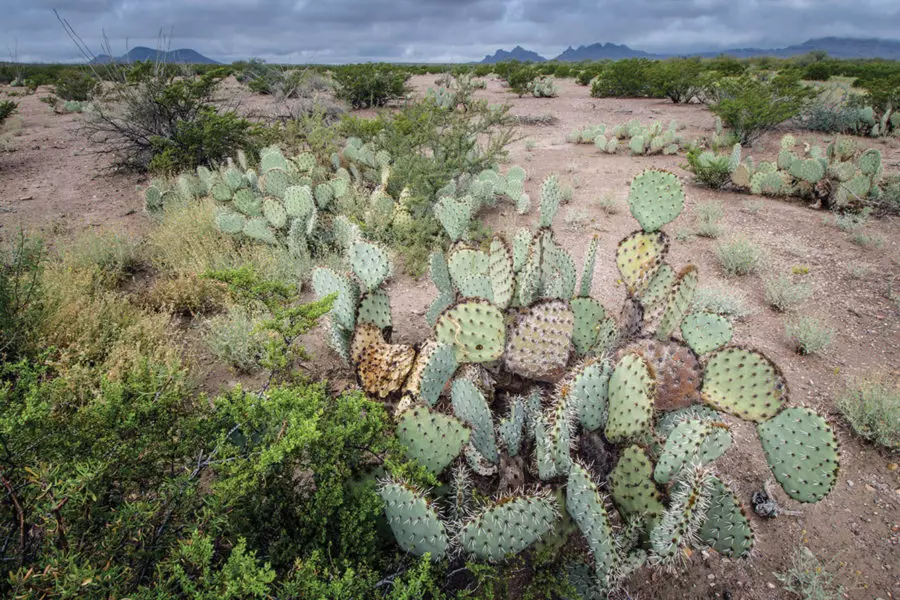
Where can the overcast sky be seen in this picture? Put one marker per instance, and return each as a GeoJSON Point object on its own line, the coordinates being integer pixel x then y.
{"type": "Point", "coordinates": [336, 31]}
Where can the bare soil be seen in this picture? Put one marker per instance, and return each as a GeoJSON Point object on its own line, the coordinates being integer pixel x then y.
{"type": "Point", "coordinates": [50, 181]}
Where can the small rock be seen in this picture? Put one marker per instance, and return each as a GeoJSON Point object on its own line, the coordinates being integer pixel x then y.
{"type": "Point", "coordinates": [770, 585]}
{"type": "Point", "coordinates": [849, 483]}
{"type": "Point", "coordinates": [869, 488]}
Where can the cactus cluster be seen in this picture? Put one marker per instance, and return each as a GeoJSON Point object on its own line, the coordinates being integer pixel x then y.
{"type": "Point", "coordinates": [542, 87]}
{"type": "Point", "coordinates": [638, 138]}
{"type": "Point", "coordinates": [841, 175]}
{"type": "Point", "coordinates": [868, 122]}
{"type": "Point", "coordinates": [570, 420]}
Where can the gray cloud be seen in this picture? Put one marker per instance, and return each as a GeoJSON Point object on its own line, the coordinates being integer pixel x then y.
{"type": "Point", "coordinates": [336, 31]}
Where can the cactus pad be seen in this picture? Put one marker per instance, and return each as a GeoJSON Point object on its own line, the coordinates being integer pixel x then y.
{"type": "Point", "coordinates": [551, 197]}
{"type": "Point", "coordinates": [475, 330]}
{"type": "Point", "coordinates": [655, 294]}
{"type": "Point", "coordinates": [454, 214]}
{"type": "Point", "coordinates": [258, 229]}
{"type": "Point", "coordinates": [802, 452]}
{"type": "Point", "coordinates": [275, 182]}
{"type": "Point", "coordinates": [471, 408]}
{"type": "Point", "coordinates": [743, 383]}
{"type": "Point", "coordinates": [681, 522]}
{"type": "Point", "coordinates": [705, 331]}
{"type": "Point", "coordinates": [434, 367]}
{"type": "Point", "coordinates": [416, 526]}
{"type": "Point", "coordinates": [585, 505]}
{"type": "Point", "coordinates": [500, 271]}
{"type": "Point", "coordinates": [375, 308]}
{"type": "Point", "coordinates": [229, 221]}
{"type": "Point", "coordinates": [363, 335]}
{"type": "Point", "coordinates": [325, 282]}
{"type": "Point", "coordinates": [298, 202]}
{"type": "Point", "coordinates": [655, 198]}
{"type": "Point", "coordinates": [274, 212]}
{"type": "Point", "coordinates": [247, 202]}
{"type": "Point", "coordinates": [632, 487]}
{"type": "Point", "coordinates": [382, 368]}
{"type": "Point", "coordinates": [676, 368]}
{"type": "Point", "coordinates": [370, 263]}
{"type": "Point", "coordinates": [512, 427]}
{"type": "Point", "coordinates": [539, 342]}
{"type": "Point", "coordinates": [589, 389]}
{"type": "Point", "coordinates": [691, 442]}
{"type": "Point", "coordinates": [587, 275]}
{"type": "Point", "coordinates": [726, 529]}
{"type": "Point", "coordinates": [508, 526]}
{"type": "Point", "coordinates": [631, 394]}
{"type": "Point", "coordinates": [639, 257]}
{"type": "Point", "coordinates": [431, 438]}
{"type": "Point", "coordinates": [589, 314]}
{"type": "Point", "coordinates": [678, 303]}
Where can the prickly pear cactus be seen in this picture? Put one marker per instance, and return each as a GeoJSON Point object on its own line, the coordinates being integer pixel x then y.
{"type": "Point", "coordinates": [416, 526]}
{"type": "Point", "coordinates": [508, 526]}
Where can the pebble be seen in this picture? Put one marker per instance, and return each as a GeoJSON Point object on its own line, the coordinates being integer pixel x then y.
{"type": "Point", "coordinates": [849, 483]}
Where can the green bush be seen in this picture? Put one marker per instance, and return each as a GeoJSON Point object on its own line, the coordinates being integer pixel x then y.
{"type": "Point", "coordinates": [750, 106]}
{"type": "Point", "coordinates": [520, 79]}
{"type": "Point", "coordinates": [629, 78]}
{"type": "Point", "coordinates": [7, 108]}
{"type": "Point", "coordinates": [75, 84]}
{"type": "Point", "coordinates": [207, 138]}
{"type": "Point", "coordinates": [872, 407]}
{"type": "Point", "coordinates": [368, 85]}
{"type": "Point", "coordinates": [712, 172]}
{"type": "Point", "coordinates": [676, 79]}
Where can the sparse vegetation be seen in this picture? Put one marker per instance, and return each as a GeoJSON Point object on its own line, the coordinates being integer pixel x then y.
{"type": "Point", "coordinates": [809, 335]}
{"type": "Point", "coordinates": [872, 408]}
{"type": "Point", "coordinates": [706, 218]}
{"type": "Point", "coordinates": [739, 256]}
{"type": "Point", "coordinates": [808, 578]}
{"type": "Point", "coordinates": [783, 294]}
{"type": "Point", "coordinates": [7, 108]}
{"type": "Point", "coordinates": [721, 301]}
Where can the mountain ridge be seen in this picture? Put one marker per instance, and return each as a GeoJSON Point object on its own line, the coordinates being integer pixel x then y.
{"type": "Point", "coordinates": [181, 56]}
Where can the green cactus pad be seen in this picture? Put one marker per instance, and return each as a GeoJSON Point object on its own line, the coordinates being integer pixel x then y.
{"type": "Point", "coordinates": [416, 525]}
{"type": "Point", "coordinates": [435, 365]}
{"type": "Point", "coordinates": [271, 158]}
{"type": "Point", "coordinates": [691, 442]}
{"type": "Point", "coordinates": [742, 175]}
{"type": "Point", "coordinates": [229, 221]}
{"type": "Point", "coordinates": [275, 182]}
{"type": "Point", "coordinates": [681, 522]}
{"type": "Point", "coordinates": [726, 529]}
{"type": "Point", "coordinates": [325, 282]}
{"type": "Point", "coordinates": [472, 409]}
{"type": "Point", "coordinates": [585, 505]}
{"type": "Point", "coordinates": [438, 306]}
{"type": "Point", "coordinates": [639, 257]}
{"type": "Point", "coordinates": [370, 263]}
{"type": "Point", "coordinates": [233, 179]}
{"type": "Point", "coordinates": [324, 195]}
{"type": "Point", "coordinates": [631, 394]}
{"type": "Point", "coordinates": [870, 162]}
{"type": "Point", "coordinates": [345, 230]}
{"type": "Point", "coordinates": [298, 202]}
{"type": "Point", "coordinates": [508, 526]}
{"type": "Point", "coordinates": [247, 202]}
{"type": "Point", "coordinates": [589, 314]}
{"type": "Point", "coordinates": [802, 452]}
{"type": "Point", "coordinates": [500, 271]}
{"type": "Point", "coordinates": [440, 272]}
{"type": "Point", "coordinates": [809, 170]}
{"type": "Point", "coordinates": [258, 229]}
{"type": "Point", "coordinates": [274, 212]}
{"type": "Point", "coordinates": [786, 160]}
{"type": "Point", "coordinates": [475, 330]}
{"type": "Point", "coordinates": [305, 162]}
{"type": "Point", "coordinates": [743, 383]}
{"type": "Point", "coordinates": [589, 388]}
{"type": "Point", "coordinates": [454, 214]}
{"type": "Point", "coordinates": [469, 271]}
{"type": "Point", "coordinates": [656, 293]}
{"type": "Point", "coordinates": [678, 303]}
{"type": "Point", "coordinates": [431, 438]}
{"type": "Point", "coordinates": [587, 274]}
{"type": "Point", "coordinates": [551, 197]}
{"type": "Point", "coordinates": [375, 308]}
{"type": "Point", "coordinates": [655, 198]}
{"type": "Point", "coordinates": [559, 428]}
{"type": "Point", "coordinates": [632, 488]}
{"type": "Point", "coordinates": [221, 191]}
{"type": "Point", "coordinates": [539, 341]}
{"type": "Point", "coordinates": [706, 331]}
{"type": "Point", "coordinates": [512, 427]}
{"type": "Point", "coordinates": [521, 249]}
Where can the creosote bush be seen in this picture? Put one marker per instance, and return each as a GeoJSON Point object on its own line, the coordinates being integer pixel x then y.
{"type": "Point", "coordinates": [371, 85]}
{"type": "Point", "coordinates": [750, 106]}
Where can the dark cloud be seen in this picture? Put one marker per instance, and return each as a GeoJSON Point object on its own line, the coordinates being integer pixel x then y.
{"type": "Point", "coordinates": [431, 30]}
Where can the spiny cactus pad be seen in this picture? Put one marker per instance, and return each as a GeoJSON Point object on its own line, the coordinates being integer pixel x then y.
{"type": "Point", "coordinates": [325, 282]}
{"type": "Point", "coordinates": [370, 263]}
{"type": "Point", "coordinates": [435, 365]}
{"type": "Point", "coordinates": [639, 256]}
{"type": "Point", "coordinates": [631, 394]}
{"type": "Point", "coordinates": [743, 383]}
{"type": "Point", "coordinates": [375, 308]}
{"type": "Point", "coordinates": [589, 388]}
{"type": "Point", "coordinates": [676, 368]}
{"type": "Point", "coordinates": [382, 368]}
{"type": "Point", "coordinates": [431, 438]}
{"type": "Point", "coordinates": [539, 341]}
{"type": "Point", "coordinates": [416, 526]}
{"type": "Point", "coordinates": [726, 529]}
{"type": "Point", "coordinates": [508, 526]}
{"type": "Point", "coordinates": [475, 330]}
{"type": "Point", "coordinates": [589, 314]}
{"type": "Point", "coordinates": [471, 407]}
{"type": "Point", "coordinates": [655, 294]}
{"type": "Point", "coordinates": [692, 442]}
{"type": "Point", "coordinates": [454, 214]}
{"type": "Point", "coordinates": [678, 303]}
{"type": "Point", "coordinates": [585, 505]}
{"type": "Point", "coordinates": [512, 427]}
{"type": "Point", "coordinates": [655, 198]}
{"type": "Point", "coordinates": [500, 271]}
{"type": "Point", "coordinates": [706, 331]}
{"type": "Point", "coordinates": [632, 487]}
{"type": "Point", "coordinates": [802, 451]}
{"type": "Point", "coordinates": [680, 524]}
{"type": "Point", "coordinates": [587, 274]}
{"type": "Point", "coordinates": [258, 229]}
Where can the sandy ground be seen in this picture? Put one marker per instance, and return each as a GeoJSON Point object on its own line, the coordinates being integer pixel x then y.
{"type": "Point", "coordinates": [51, 182]}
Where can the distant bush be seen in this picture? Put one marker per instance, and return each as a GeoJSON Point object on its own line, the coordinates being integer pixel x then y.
{"type": "Point", "coordinates": [629, 78]}
{"type": "Point", "coordinates": [75, 84]}
{"type": "Point", "coordinates": [750, 106]}
{"type": "Point", "coordinates": [363, 86]}
{"type": "Point", "coordinates": [676, 79]}
{"type": "Point", "coordinates": [520, 78]}
{"type": "Point", "coordinates": [7, 108]}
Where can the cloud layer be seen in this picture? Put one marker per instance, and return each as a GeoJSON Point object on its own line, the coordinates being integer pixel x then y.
{"type": "Point", "coordinates": [337, 31]}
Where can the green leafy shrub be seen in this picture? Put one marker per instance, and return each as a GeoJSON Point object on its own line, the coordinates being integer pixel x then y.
{"type": "Point", "coordinates": [710, 169]}
{"type": "Point", "coordinates": [676, 79]}
{"type": "Point", "coordinates": [7, 108]}
{"type": "Point", "coordinates": [750, 106]}
{"type": "Point", "coordinates": [75, 84]}
{"type": "Point", "coordinates": [628, 78]}
{"type": "Point", "coordinates": [872, 407]}
{"type": "Point", "coordinates": [207, 138]}
{"type": "Point", "coordinates": [520, 78]}
{"type": "Point", "coordinates": [739, 256]}
{"type": "Point", "coordinates": [21, 297]}
{"type": "Point", "coordinates": [368, 85]}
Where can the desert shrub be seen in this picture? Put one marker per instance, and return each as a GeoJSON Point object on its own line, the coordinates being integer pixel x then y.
{"type": "Point", "coordinates": [111, 256]}
{"type": "Point", "coordinates": [809, 335]}
{"type": "Point", "coordinates": [809, 579]}
{"type": "Point", "coordinates": [706, 219]}
{"type": "Point", "coordinates": [739, 256]}
{"type": "Point", "coordinates": [368, 85]}
{"type": "Point", "coordinates": [783, 294]}
{"type": "Point", "coordinates": [872, 407]}
{"type": "Point", "coordinates": [750, 106]}
{"type": "Point", "coordinates": [711, 170]}
{"type": "Point", "coordinates": [21, 298]}
{"type": "Point", "coordinates": [676, 79]}
{"type": "Point", "coordinates": [236, 338]}
{"type": "Point", "coordinates": [867, 240]}
{"type": "Point", "coordinates": [888, 200]}
{"type": "Point", "coordinates": [7, 108]}
{"type": "Point", "coordinates": [155, 120]}
{"type": "Point", "coordinates": [721, 301]}
{"type": "Point", "coordinates": [520, 77]}
{"type": "Point", "coordinates": [628, 78]}
{"type": "Point", "coordinates": [75, 84]}
{"type": "Point", "coordinates": [186, 295]}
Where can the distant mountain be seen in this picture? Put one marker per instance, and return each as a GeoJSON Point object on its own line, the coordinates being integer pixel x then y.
{"type": "Point", "coordinates": [184, 56]}
{"type": "Point", "coordinates": [518, 53]}
{"type": "Point", "coordinates": [601, 52]}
